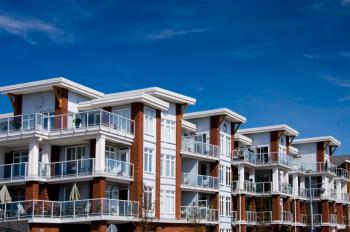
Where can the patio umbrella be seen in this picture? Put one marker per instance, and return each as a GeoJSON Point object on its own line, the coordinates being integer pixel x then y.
{"type": "Point", "coordinates": [5, 195]}
{"type": "Point", "coordinates": [74, 194]}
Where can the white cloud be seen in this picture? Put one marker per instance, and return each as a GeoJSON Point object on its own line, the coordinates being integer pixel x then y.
{"type": "Point", "coordinates": [345, 2]}
{"type": "Point", "coordinates": [337, 82]}
{"type": "Point", "coordinates": [25, 27]}
{"type": "Point", "coordinates": [169, 33]}
{"type": "Point", "coordinates": [345, 54]}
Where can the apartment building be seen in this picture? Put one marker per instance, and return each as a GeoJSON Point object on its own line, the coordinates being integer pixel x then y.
{"type": "Point", "coordinates": [73, 158]}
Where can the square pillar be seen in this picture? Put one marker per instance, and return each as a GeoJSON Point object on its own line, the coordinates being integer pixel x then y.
{"type": "Point", "coordinates": [276, 208]}
{"type": "Point", "coordinates": [241, 177]}
{"type": "Point", "coordinates": [33, 158]}
{"type": "Point", "coordinates": [275, 180]}
{"type": "Point", "coordinates": [100, 159]}
{"type": "Point", "coordinates": [295, 185]}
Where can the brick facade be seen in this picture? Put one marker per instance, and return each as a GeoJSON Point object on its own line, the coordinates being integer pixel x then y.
{"type": "Point", "coordinates": [179, 116]}
{"type": "Point", "coordinates": [158, 154]}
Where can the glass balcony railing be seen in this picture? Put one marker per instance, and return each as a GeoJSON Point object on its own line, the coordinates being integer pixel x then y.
{"type": "Point", "coordinates": [119, 168]}
{"type": "Point", "coordinates": [345, 197]}
{"type": "Point", "coordinates": [333, 219]}
{"type": "Point", "coordinates": [263, 187]}
{"type": "Point", "coordinates": [13, 172]}
{"type": "Point", "coordinates": [195, 214]}
{"type": "Point", "coordinates": [261, 159]}
{"type": "Point", "coordinates": [342, 173]}
{"type": "Point", "coordinates": [285, 188]}
{"type": "Point", "coordinates": [244, 155]}
{"type": "Point", "coordinates": [190, 180]}
{"type": "Point", "coordinates": [260, 188]}
{"type": "Point", "coordinates": [71, 121]}
{"type": "Point", "coordinates": [199, 148]}
{"type": "Point", "coordinates": [71, 168]}
{"type": "Point", "coordinates": [316, 168]}
{"type": "Point", "coordinates": [287, 217]}
{"type": "Point", "coordinates": [37, 209]}
{"type": "Point", "coordinates": [264, 217]}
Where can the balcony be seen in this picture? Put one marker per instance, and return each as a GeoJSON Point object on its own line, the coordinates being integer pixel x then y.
{"type": "Point", "coordinates": [302, 193]}
{"type": "Point", "coordinates": [199, 214]}
{"type": "Point", "coordinates": [258, 218]}
{"type": "Point", "coordinates": [203, 151]}
{"type": "Point", "coordinates": [70, 169]}
{"type": "Point", "coordinates": [316, 168]}
{"type": "Point", "coordinates": [196, 182]}
{"type": "Point", "coordinates": [342, 173]}
{"type": "Point", "coordinates": [250, 217]}
{"type": "Point", "coordinates": [254, 188]}
{"type": "Point", "coordinates": [285, 188]}
{"type": "Point", "coordinates": [287, 217]}
{"type": "Point", "coordinates": [344, 197]}
{"type": "Point", "coordinates": [261, 159]}
{"type": "Point", "coordinates": [333, 219]}
{"type": "Point", "coordinates": [18, 172]}
{"type": "Point", "coordinates": [25, 126]}
{"type": "Point", "coordinates": [119, 169]}
{"type": "Point", "coordinates": [69, 211]}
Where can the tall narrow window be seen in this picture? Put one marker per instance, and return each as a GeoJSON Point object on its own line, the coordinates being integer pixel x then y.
{"type": "Point", "coordinates": [167, 201]}
{"type": "Point", "coordinates": [228, 206]}
{"type": "Point", "coordinates": [222, 206]}
{"type": "Point", "coordinates": [168, 131]}
{"type": "Point", "coordinates": [167, 165]}
{"type": "Point", "coordinates": [222, 174]}
{"type": "Point", "coordinates": [147, 198]}
{"type": "Point", "coordinates": [148, 123]}
{"type": "Point", "coordinates": [148, 160]}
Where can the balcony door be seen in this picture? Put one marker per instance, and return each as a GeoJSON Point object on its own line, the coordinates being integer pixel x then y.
{"type": "Point", "coordinates": [262, 154]}
{"type": "Point", "coordinates": [75, 160]}
{"type": "Point", "coordinates": [116, 159]}
{"type": "Point", "coordinates": [19, 161]}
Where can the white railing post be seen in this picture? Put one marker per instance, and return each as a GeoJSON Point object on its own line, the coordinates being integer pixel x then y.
{"type": "Point", "coordinates": [73, 209]}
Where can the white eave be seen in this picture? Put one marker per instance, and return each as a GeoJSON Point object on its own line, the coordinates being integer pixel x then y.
{"type": "Point", "coordinates": [293, 150]}
{"type": "Point", "coordinates": [229, 115]}
{"type": "Point", "coordinates": [188, 126]}
{"type": "Point", "coordinates": [287, 130]}
{"type": "Point", "coordinates": [124, 98]}
{"type": "Point", "coordinates": [243, 139]}
{"type": "Point", "coordinates": [162, 94]}
{"type": "Point", "coordinates": [6, 115]}
{"type": "Point", "coordinates": [330, 139]}
{"type": "Point", "coordinates": [47, 85]}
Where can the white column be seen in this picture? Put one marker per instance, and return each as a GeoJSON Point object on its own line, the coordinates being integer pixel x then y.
{"type": "Point", "coordinates": [2, 161]}
{"type": "Point", "coordinates": [325, 185]}
{"type": "Point", "coordinates": [252, 175]}
{"type": "Point", "coordinates": [241, 176]}
{"type": "Point", "coordinates": [338, 189]}
{"type": "Point", "coordinates": [275, 179]}
{"type": "Point", "coordinates": [302, 182]}
{"type": "Point", "coordinates": [100, 154]}
{"type": "Point", "coordinates": [33, 158]}
{"type": "Point", "coordinates": [45, 160]}
{"type": "Point", "coordinates": [295, 184]}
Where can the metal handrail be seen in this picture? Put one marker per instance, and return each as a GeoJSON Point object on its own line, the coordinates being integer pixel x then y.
{"type": "Point", "coordinates": [200, 148]}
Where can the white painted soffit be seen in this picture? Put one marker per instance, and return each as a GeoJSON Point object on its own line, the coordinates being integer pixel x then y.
{"type": "Point", "coordinates": [332, 141]}
{"type": "Point", "coordinates": [188, 126]}
{"type": "Point", "coordinates": [163, 94]}
{"type": "Point", "coordinates": [243, 139]}
{"type": "Point", "coordinates": [229, 115]}
{"type": "Point", "coordinates": [124, 98]}
{"type": "Point", "coordinates": [47, 85]}
{"type": "Point", "coordinates": [283, 127]}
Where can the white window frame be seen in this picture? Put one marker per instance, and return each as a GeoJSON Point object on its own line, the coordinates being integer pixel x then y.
{"type": "Point", "coordinates": [148, 155]}
{"type": "Point", "coordinates": [168, 131]}
{"type": "Point", "coordinates": [149, 121]}
{"type": "Point", "coordinates": [75, 149]}
{"type": "Point", "coordinates": [222, 206]}
{"type": "Point", "coordinates": [167, 166]}
{"type": "Point", "coordinates": [167, 199]}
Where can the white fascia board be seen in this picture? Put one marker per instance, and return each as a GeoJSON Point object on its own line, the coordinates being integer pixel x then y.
{"type": "Point", "coordinates": [162, 94]}
{"type": "Point", "coordinates": [6, 115]}
{"type": "Point", "coordinates": [256, 130]}
{"type": "Point", "coordinates": [47, 85]}
{"type": "Point", "coordinates": [188, 126]}
{"type": "Point", "coordinates": [123, 99]}
{"type": "Point", "coordinates": [243, 139]}
{"type": "Point", "coordinates": [333, 141]}
{"type": "Point", "coordinates": [293, 150]}
{"type": "Point", "coordinates": [229, 115]}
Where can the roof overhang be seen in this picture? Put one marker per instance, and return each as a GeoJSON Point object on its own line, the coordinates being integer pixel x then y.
{"type": "Point", "coordinates": [6, 115]}
{"type": "Point", "coordinates": [162, 94]}
{"type": "Point", "coordinates": [287, 130]}
{"type": "Point", "coordinates": [243, 139]}
{"type": "Point", "coordinates": [188, 126]}
{"type": "Point", "coordinates": [228, 114]}
{"type": "Point", "coordinates": [124, 98]}
{"type": "Point", "coordinates": [47, 85]}
{"type": "Point", "coordinates": [330, 139]}
{"type": "Point", "coordinates": [293, 150]}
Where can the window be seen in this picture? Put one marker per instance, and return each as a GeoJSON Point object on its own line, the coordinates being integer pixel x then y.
{"type": "Point", "coordinates": [228, 176]}
{"type": "Point", "coordinates": [67, 191]}
{"type": "Point", "coordinates": [20, 157]}
{"type": "Point", "coordinates": [222, 174]}
{"type": "Point", "coordinates": [168, 133]}
{"type": "Point", "coordinates": [167, 199]}
{"type": "Point", "coordinates": [75, 153]}
{"type": "Point", "coordinates": [148, 160]}
{"type": "Point", "coordinates": [228, 206]}
{"type": "Point", "coordinates": [222, 206]}
{"type": "Point", "coordinates": [225, 144]}
{"type": "Point", "coordinates": [147, 198]}
{"type": "Point", "coordinates": [167, 166]}
{"type": "Point", "coordinates": [148, 123]}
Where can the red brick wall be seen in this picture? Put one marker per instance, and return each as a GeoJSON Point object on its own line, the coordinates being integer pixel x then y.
{"type": "Point", "coordinates": [180, 228]}
{"type": "Point", "coordinates": [136, 151]}
{"type": "Point", "coordinates": [241, 206]}
{"type": "Point", "coordinates": [98, 226]}
{"type": "Point", "coordinates": [99, 187]}
{"type": "Point", "coordinates": [32, 191]}
{"type": "Point", "coordinates": [179, 116]}
{"type": "Point", "coordinates": [320, 152]}
{"type": "Point", "coordinates": [274, 144]}
{"type": "Point", "coordinates": [276, 208]}
{"type": "Point", "coordinates": [63, 109]}
{"type": "Point", "coordinates": [233, 138]}
{"type": "Point", "coordinates": [17, 107]}
{"type": "Point", "coordinates": [286, 204]}
{"type": "Point", "coordinates": [45, 227]}
{"type": "Point", "coordinates": [298, 210]}
{"type": "Point", "coordinates": [339, 208]}
{"type": "Point", "coordinates": [325, 211]}
{"type": "Point", "coordinates": [215, 140]}
{"type": "Point", "coordinates": [158, 154]}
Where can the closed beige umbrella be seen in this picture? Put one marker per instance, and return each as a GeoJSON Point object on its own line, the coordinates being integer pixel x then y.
{"type": "Point", "coordinates": [5, 195]}
{"type": "Point", "coordinates": [74, 194]}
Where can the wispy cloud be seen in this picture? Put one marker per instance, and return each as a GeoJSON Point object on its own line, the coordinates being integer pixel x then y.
{"type": "Point", "coordinates": [25, 28]}
{"type": "Point", "coordinates": [169, 33]}
{"type": "Point", "coordinates": [337, 82]}
{"type": "Point", "coordinates": [345, 2]}
{"type": "Point", "coordinates": [345, 54]}
{"type": "Point", "coordinates": [343, 99]}
{"type": "Point", "coordinates": [315, 56]}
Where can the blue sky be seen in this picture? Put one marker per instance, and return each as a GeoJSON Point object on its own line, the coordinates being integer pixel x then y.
{"type": "Point", "coordinates": [271, 61]}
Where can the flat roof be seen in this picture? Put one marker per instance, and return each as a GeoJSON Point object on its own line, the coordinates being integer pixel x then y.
{"type": "Point", "coordinates": [47, 85]}
{"type": "Point", "coordinates": [188, 126]}
{"type": "Point", "coordinates": [282, 127]}
{"type": "Point", "coordinates": [162, 94]}
{"type": "Point", "coordinates": [332, 141]}
{"type": "Point", "coordinates": [124, 98]}
{"type": "Point", "coordinates": [229, 115]}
